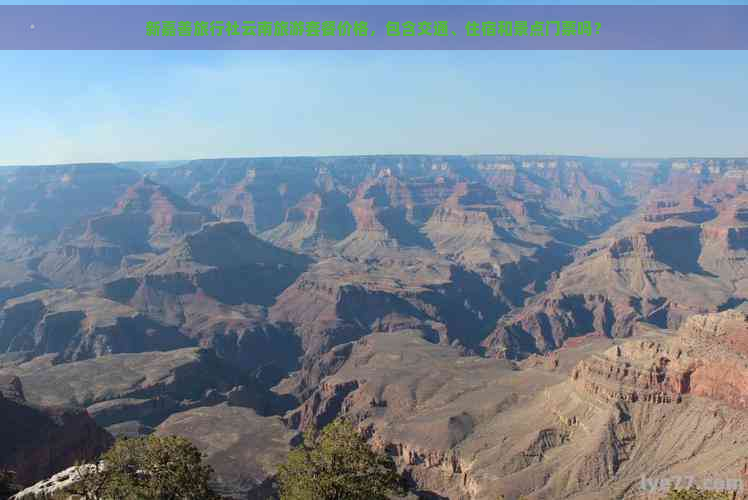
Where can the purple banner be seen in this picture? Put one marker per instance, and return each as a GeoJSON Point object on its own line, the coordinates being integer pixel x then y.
{"type": "Point", "coordinates": [374, 27]}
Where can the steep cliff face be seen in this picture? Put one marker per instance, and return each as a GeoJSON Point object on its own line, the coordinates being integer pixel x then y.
{"type": "Point", "coordinates": [587, 425]}
{"type": "Point", "coordinates": [168, 216]}
{"type": "Point", "coordinates": [73, 326]}
{"type": "Point", "coordinates": [221, 264]}
{"type": "Point", "coordinates": [680, 254]}
{"type": "Point", "coordinates": [146, 218]}
{"type": "Point", "coordinates": [318, 220]}
{"type": "Point", "coordinates": [82, 262]}
{"type": "Point", "coordinates": [660, 273]}
{"type": "Point", "coordinates": [220, 245]}
{"type": "Point", "coordinates": [261, 198]}
{"type": "Point", "coordinates": [131, 393]}
{"type": "Point", "coordinates": [689, 209]}
{"type": "Point", "coordinates": [303, 383]}
{"type": "Point", "coordinates": [39, 441]}
{"type": "Point", "coordinates": [685, 391]}
{"type": "Point", "coordinates": [420, 403]}
{"type": "Point", "coordinates": [726, 245]}
{"type": "Point", "coordinates": [334, 302]}
{"type": "Point", "coordinates": [707, 357]}
{"type": "Point", "coordinates": [214, 287]}
{"type": "Point", "coordinates": [473, 216]}
{"type": "Point", "coordinates": [389, 212]}
{"type": "Point", "coordinates": [38, 202]}
{"type": "Point", "coordinates": [420, 263]}
{"type": "Point", "coordinates": [513, 242]}
{"type": "Point", "coordinates": [588, 195]}
{"type": "Point", "coordinates": [17, 279]}
{"type": "Point", "coordinates": [429, 406]}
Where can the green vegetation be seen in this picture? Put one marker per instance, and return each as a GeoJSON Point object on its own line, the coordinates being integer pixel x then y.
{"type": "Point", "coordinates": [337, 464]}
{"type": "Point", "coordinates": [147, 468]}
{"type": "Point", "coordinates": [156, 467]}
{"type": "Point", "coordinates": [696, 494]}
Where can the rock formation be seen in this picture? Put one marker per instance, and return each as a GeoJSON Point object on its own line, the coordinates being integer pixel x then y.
{"type": "Point", "coordinates": [546, 326]}
{"type": "Point", "coordinates": [147, 218]}
{"type": "Point", "coordinates": [39, 441]}
{"type": "Point", "coordinates": [659, 267]}
{"type": "Point", "coordinates": [316, 222]}
{"type": "Point", "coordinates": [72, 325]}
{"type": "Point", "coordinates": [587, 425]}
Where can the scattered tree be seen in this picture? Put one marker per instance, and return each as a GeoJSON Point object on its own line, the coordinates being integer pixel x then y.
{"type": "Point", "coordinates": [337, 464]}
{"type": "Point", "coordinates": [149, 468]}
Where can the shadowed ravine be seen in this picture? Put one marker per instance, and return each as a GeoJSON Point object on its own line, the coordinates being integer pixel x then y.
{"type": "Point", "coordinates": [552, 327]}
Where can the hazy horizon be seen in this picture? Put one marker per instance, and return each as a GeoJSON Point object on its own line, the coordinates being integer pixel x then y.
{"type": "Point", "coordinates": [105, 106]}
{"type": "Point", "coordinates": [173, 162]}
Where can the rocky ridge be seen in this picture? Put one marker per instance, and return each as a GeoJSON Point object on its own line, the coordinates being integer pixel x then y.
{"type": "Point", "coordinates": [399, 271]}
{"type": "Point", "coordinates": [586, 425]}
{"type": "Point", "coordinates": [38, 441]}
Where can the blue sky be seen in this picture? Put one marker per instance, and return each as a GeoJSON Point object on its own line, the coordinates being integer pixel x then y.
{"type": "Point", "coordinates": [112, 106]}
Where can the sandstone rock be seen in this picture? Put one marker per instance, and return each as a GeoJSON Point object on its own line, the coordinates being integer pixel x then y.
{"type": "Point", "coordinates": [145, 388]}
{"type": "Point", "coordinates": [39, 441]}
{"type": "Point", "coordinates": [38, 202]}
{"type": "Point", "coordinates": [422, 262]}
{"type": "Point", "coordinates": [76, 326]}
{"type": "Point", "coordinates": [57, 484]}
{"type": "Point", "coordinates": [316, 222]}
{"type": "Point", "coordinates": [471, 428]}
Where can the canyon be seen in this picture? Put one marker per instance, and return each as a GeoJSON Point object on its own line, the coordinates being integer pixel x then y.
{"type": "Point", "coordinates": [549, 327]}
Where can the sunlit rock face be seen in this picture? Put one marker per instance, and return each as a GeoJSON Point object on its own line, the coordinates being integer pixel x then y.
{"type": "Point", "coordinates": [499, 324]}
